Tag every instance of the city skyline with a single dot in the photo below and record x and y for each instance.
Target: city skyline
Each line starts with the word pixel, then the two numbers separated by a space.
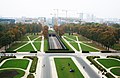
pixel 36 8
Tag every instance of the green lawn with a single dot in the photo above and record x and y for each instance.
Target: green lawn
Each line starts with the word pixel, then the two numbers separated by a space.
pixel 68 39
pixel 45 45
pixel 81 38
pixel 37 45
pixel 115 71
pixel 109 62
pixel 96 46
pixel 75 45
pixel 24 38
pixel 8 73
pixel 32 37
pixel 60 62
pixel 70 36
pixel 86 48
pixel 70 49
pixel 14 46
pixel 39 39
pixel 16 63
pixel 26 48
pixel 116 46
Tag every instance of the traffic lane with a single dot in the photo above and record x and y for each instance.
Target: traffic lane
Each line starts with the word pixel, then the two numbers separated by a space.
pixel 46 69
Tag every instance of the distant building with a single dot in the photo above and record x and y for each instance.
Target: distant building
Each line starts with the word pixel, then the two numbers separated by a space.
pixel 7 21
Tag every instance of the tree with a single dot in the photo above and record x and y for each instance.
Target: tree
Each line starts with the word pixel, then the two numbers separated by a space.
pixel 45 31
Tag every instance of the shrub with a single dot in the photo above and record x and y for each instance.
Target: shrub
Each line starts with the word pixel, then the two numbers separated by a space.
pixel 117 57
pixel 34 63
pixel 30 76
pixel 91 59
pixel 6 57
pixel 108 75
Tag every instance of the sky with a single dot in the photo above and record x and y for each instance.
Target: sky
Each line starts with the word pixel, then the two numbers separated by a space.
pixel 45 8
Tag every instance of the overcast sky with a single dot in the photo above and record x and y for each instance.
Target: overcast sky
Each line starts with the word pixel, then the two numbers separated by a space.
pixel 39 8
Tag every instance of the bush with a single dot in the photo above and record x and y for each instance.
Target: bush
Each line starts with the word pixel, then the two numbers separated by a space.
pixel 10 52
pixel 108 75
pixel 91 59
pixel 30 76
pixel 33 51
pixel 85 51
pixel 34 63
pixel 6 57
pixel 117 57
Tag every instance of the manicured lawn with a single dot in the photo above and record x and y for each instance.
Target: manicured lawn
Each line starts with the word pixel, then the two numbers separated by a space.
pixel 115 71
pixel 45 45
pixel 86 48
pixel 70 49
pixel 32 37
pixel 70 36
pixel 11 73
pixel 81 38
pixel 39 39
pixel 24 38
pixel 75 45
pixel 109 62
pixel 14 46
pixel 26 48
pixel 37 45
pixel 96 46
pixel 68 39
pixel 65 73
pixel 116 46
pixel 16 63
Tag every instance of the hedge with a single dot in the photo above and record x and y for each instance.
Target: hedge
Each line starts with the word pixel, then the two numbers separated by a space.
pixel 108 75
pixel 30 76
pixel 117 57
pixel 6 57
pixel 34 63
pixel 91 59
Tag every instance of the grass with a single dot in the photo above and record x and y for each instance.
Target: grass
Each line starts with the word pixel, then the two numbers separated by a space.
pixel 39 39
pixel 107 63
pixel 86 48
pixel 115 71
pixel 16 63
pixel 75 45
pixel 32 37
pixel 26 48
pixel 24 38
pixel 37 45
pixel 116 46
pixel 70 36
pixel 14 46
pixel 60 62
pixel 81 38
pixel 45 45
pixel 70 49
pixel 96 46
pixel 5 75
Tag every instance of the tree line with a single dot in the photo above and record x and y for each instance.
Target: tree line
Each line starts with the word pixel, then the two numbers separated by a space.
pixel 10 33
pixel 106 35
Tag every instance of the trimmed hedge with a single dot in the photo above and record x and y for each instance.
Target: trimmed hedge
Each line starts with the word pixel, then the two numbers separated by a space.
pixel 10 51
pixel 117 57
pixel 106 51
pixel 6 57
pixel 34 63
pixel 108 75
pixel 91 59
pixel 85 51
pixel 33 51
pixel 30 76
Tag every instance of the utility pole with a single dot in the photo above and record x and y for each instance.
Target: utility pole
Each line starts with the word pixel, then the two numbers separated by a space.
pixel 66 11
